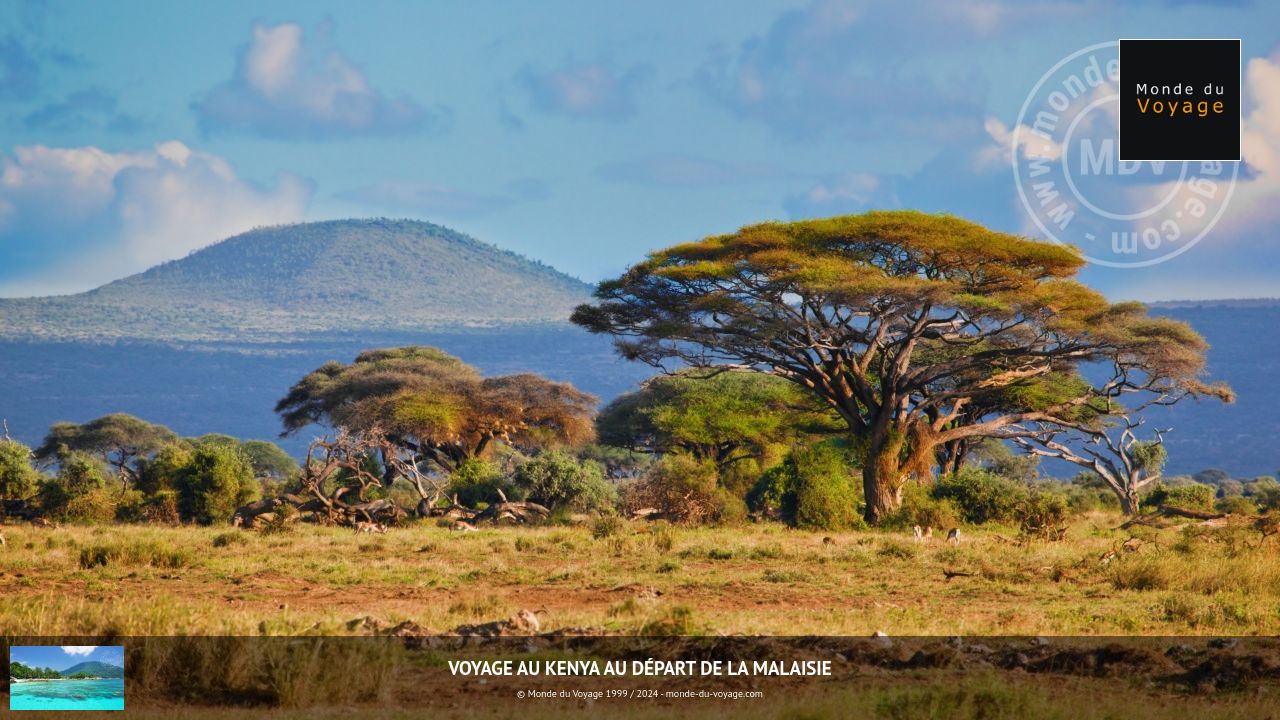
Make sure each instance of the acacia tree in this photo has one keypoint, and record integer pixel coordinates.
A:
(435, 410)
(724, 418)
(119, 439)
(902, 322)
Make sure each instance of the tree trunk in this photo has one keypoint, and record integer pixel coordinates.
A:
(1129, 501)
(882, 476)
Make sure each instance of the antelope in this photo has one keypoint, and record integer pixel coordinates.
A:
(953, 536)
(928, 532)
(2, 540)
(917, 534)
(368, 527)
(461, 526)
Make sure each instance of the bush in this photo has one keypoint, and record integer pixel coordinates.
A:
(1236, 505)
(18, 480)
(729, 508)
(1266, 495)
(137, 552)
(981, 496)
(813, 488)
(920, 507)
(1042, 514)
(218, 480)
(79, 492)
(476, 481)
(160, 473)
(1082, 499)
(677, 486)
(162, 508)
(607, 526)
(130, 507)
(557, 479)
(1192, 496)
(93, 507)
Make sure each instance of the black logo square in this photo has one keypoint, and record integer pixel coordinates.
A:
(1179, 99)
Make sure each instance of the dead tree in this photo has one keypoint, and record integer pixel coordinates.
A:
(1126, 464)
(348, 454)
(409, 465)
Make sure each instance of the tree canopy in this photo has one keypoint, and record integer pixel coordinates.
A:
(119, 439)
(918, 330)
(724, 418)
(437, 407)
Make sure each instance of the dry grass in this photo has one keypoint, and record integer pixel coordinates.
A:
(758, 579)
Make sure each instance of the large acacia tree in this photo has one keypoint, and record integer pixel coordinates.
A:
(919, 330)
(435, 410)
(119, 439)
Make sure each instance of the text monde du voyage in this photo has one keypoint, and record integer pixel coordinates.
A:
(641, 668)
(1179, 99)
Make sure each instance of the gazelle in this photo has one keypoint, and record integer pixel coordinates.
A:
(953, 536)
(368, 527)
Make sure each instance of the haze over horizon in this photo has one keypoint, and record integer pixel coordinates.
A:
(581, 136)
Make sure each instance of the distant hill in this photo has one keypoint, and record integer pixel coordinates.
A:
(290, 281)
(97, 669)
(1226, 303)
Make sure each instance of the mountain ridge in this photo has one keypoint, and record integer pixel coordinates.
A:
(95, 668)
(290, 281)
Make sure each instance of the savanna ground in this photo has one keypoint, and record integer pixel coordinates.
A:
(630, 579)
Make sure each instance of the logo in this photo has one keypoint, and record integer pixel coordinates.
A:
(1180, 100)
(1077, 189)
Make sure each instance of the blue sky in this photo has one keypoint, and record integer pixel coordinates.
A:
(582, 134)
(61, 657)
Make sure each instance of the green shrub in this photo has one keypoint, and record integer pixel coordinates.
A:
(1042, 514)
(814, 488)
(79, 492)
(1236, 505)
(728, 508)
(679, 487)
(93, 507)
(557, 479)
(1192, 496)
(981, 496)
(160, 473)
(227, 539)
(18, 480)
(920, 507)
(607, 526)
(1266, 495)
(476, 481)
(218, 480)
(137, 552)
(1086, 499)
(131, 506)
(162, 508)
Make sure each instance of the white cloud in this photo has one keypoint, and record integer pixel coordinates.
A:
(842, 67)
(79, 649)
(73, 218)
(848, 193)
(285, 87)
(586, 90)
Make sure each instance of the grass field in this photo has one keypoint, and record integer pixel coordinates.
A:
(640, 578)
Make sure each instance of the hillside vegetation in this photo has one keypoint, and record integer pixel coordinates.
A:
(288, 281)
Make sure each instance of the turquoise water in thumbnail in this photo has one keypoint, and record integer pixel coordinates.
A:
(67, 695)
